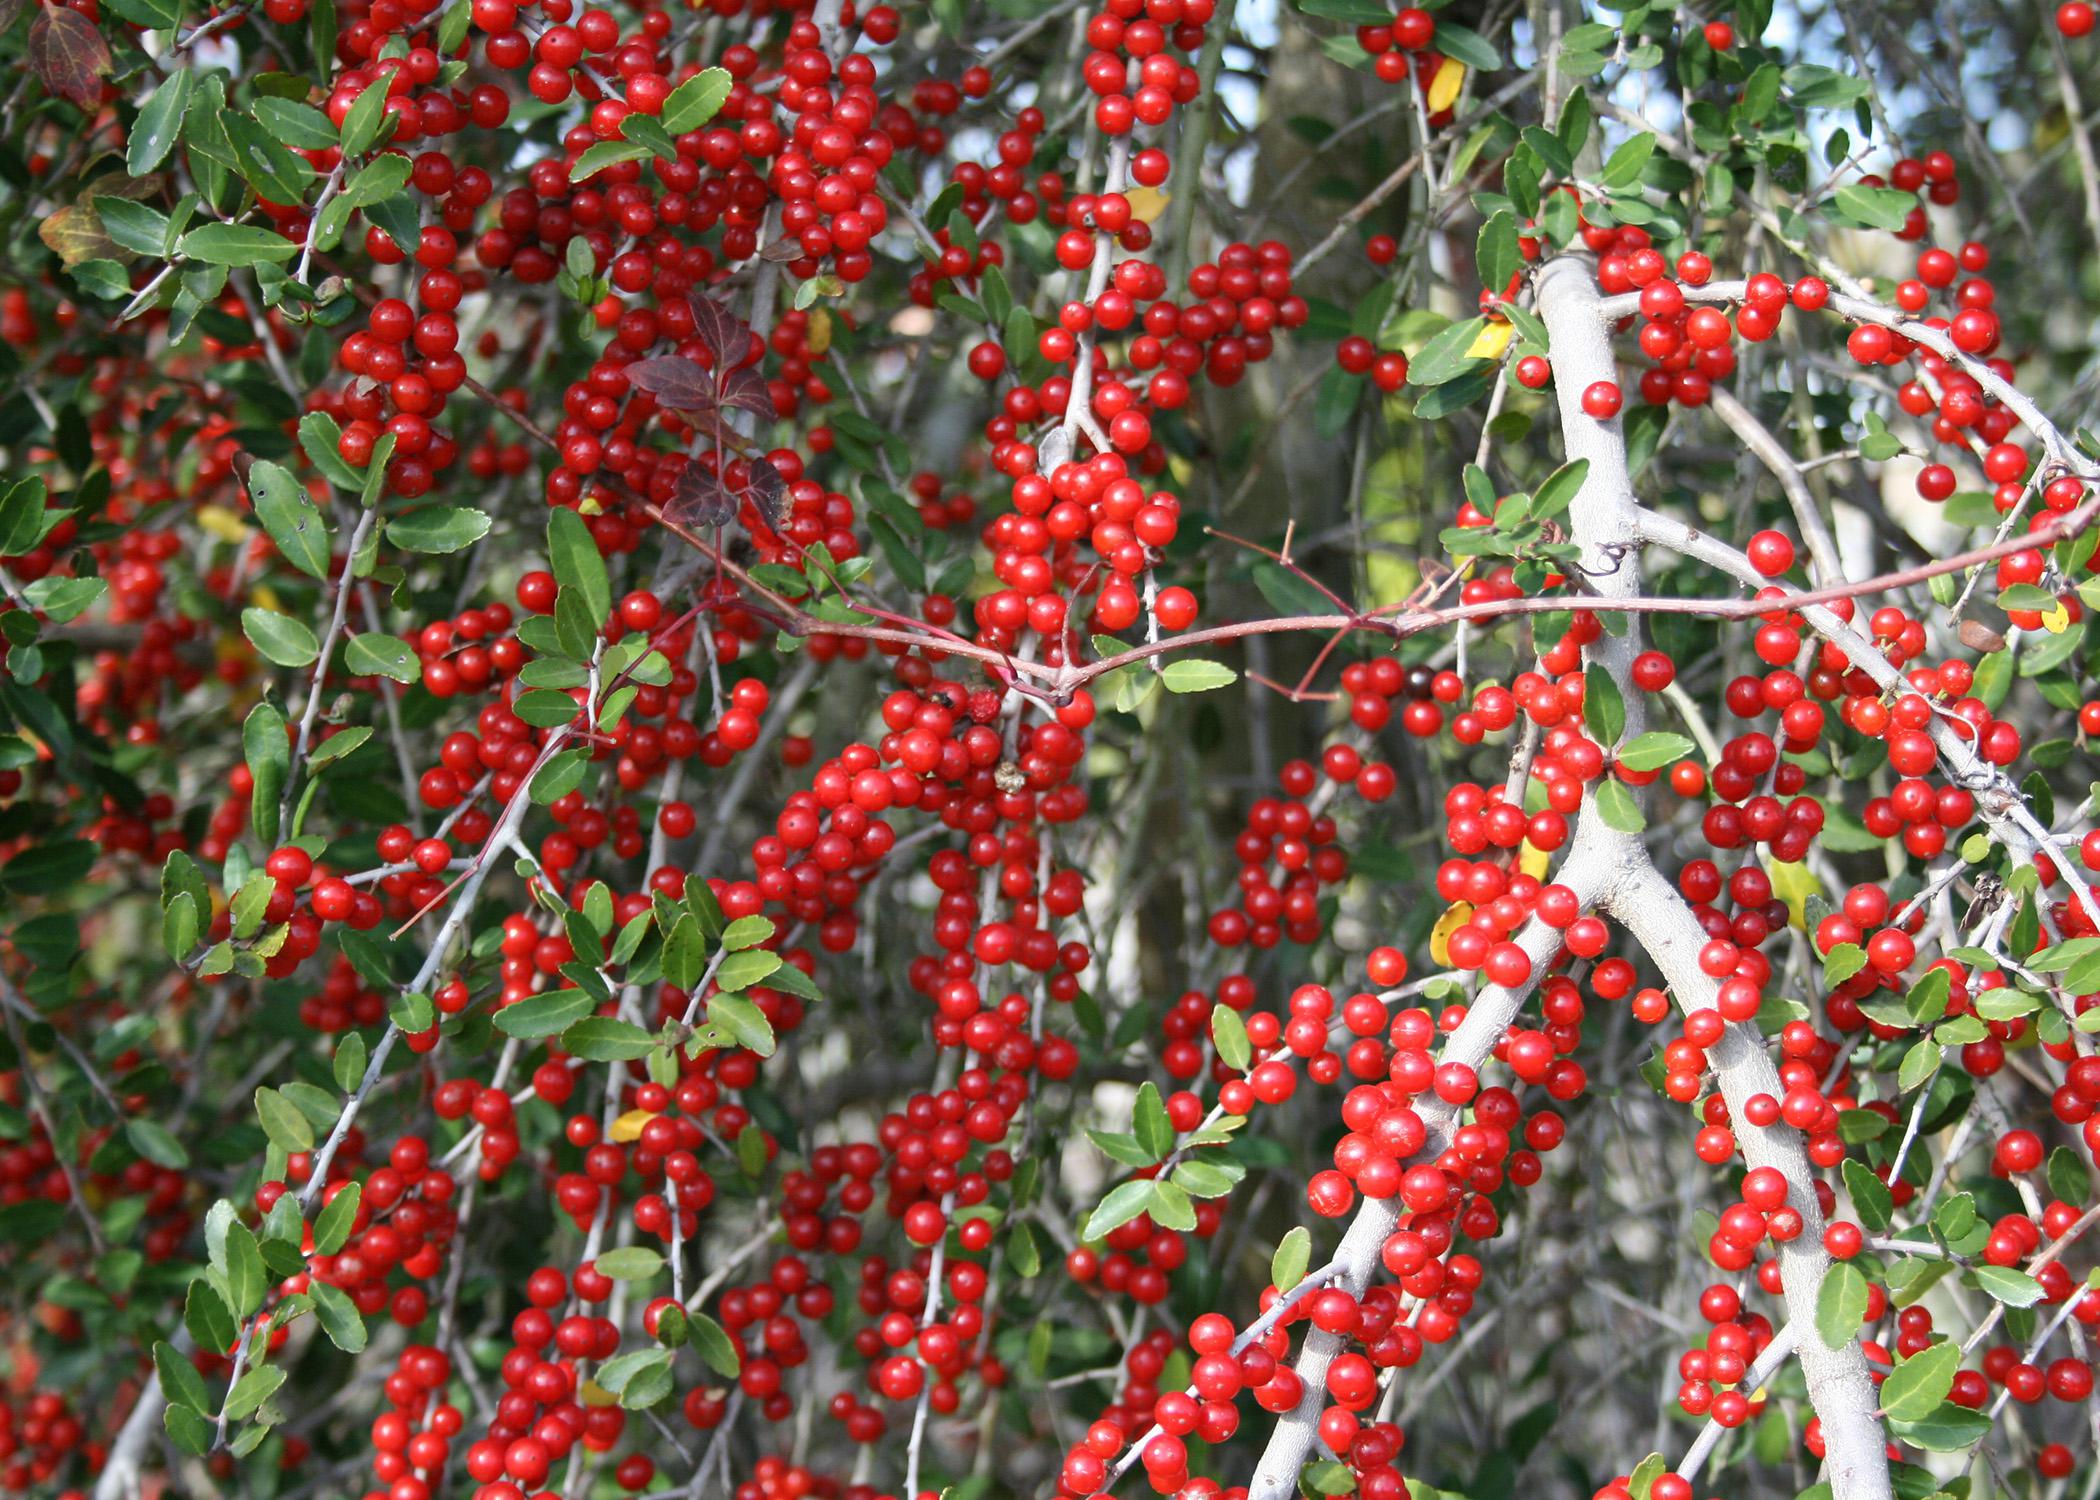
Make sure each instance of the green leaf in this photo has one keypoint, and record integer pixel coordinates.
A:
(1149, 1123)
(544, 1015)
(245, 1277)
(605, 154)
(349, 1064)
(280, 638)
(375, 654)
(250, 903)
(1022, 1252)
(747, 932)
(1575, 114)
(338, 1317)
(644, 130)
(1496, 252)
(332, 1225)
(1841, 1305)
(1444, 357)
(204, 1314)
(180, 1382)
(365, 122)
(1603, 707)
(153, 1141)
(2004, 1284)
(573, 554)
(1355, 12)
(1119, 1146)
(606, 1039)
(740, 971)
(439, 528)
(2067, 1176)
(24, 516)
(1874, 208)
(1918, 1066)
(299, 126)
(236, 245)
(744, 1023)
(1293, 1257)
(751, 1152)
(1228, 1033)
(2026, 596)
(715, 1346)
(1950, 1429)
(256, 1387)
(65, 599)
(1618, 809)
(293, 521)
(1195, 675)
(639, 1378)
(544, 708)
(1124, 1202)
(269, 759)
(1654, 750)
(1554, 496)
(1624, 167)
(282, 1121)
(1208, 1177)
(632, 1263)
(186, 1429)
(274, 172)
(1870, 1195)
(1327, 1476)
(1641, 1482)
(159, 125)
(1927, 1000)
(1467, 45)
(1170, 1207)
(1915, 1388)
(1842, 963)
(696, 101)
(180, 926)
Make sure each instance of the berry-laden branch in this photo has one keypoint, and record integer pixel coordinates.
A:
(1612, 870)
(1589, 871)
(1998, 801)
(1606, 520)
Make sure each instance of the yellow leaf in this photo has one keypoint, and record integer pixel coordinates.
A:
(1147, 203)
(1440, 935)
(1794, 884)
(2057, 620)
(1443, 89)
(1491, 341)
(629, 1126)
(1532, 860)
(817, 339)
(222, 523)
(74, 234)
(593, 1394)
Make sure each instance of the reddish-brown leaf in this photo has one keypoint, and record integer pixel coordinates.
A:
(705, 498)
(767, 487)
(680, 384)
(1978, 636)
(746, 390)
(720, 329)
(68, 54)
(701, 499)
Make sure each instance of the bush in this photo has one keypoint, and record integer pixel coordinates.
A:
(843, 752)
